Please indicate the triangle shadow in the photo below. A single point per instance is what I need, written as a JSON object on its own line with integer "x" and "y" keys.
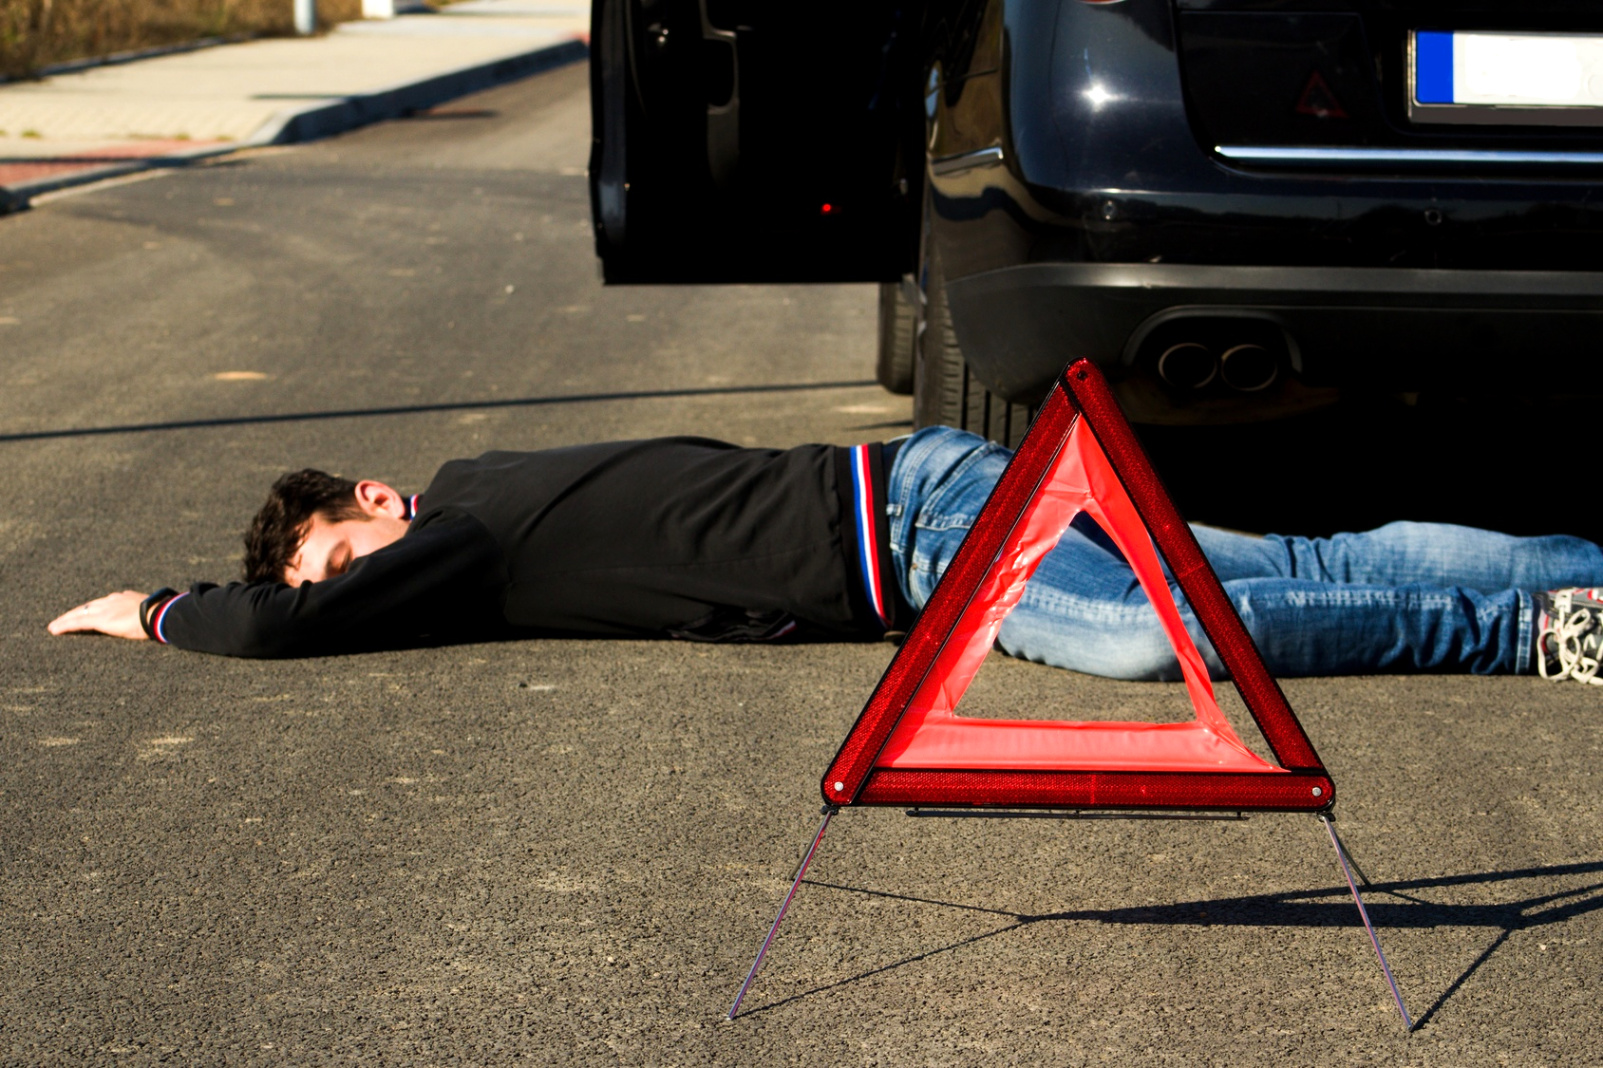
{"x": 1394, "y": 904}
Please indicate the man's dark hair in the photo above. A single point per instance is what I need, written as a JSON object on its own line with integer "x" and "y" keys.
{"x": 275, "y": 535}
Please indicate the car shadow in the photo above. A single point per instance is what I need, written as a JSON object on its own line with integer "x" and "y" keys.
{"x": 1395, "y": 905}
{"x": 1368, "y": 462}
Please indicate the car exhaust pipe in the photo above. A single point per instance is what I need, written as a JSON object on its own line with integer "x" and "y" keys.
{"x": 1248, "y": 368}
{"x": 1188, "y": 365}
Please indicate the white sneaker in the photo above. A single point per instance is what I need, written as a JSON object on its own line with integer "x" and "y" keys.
{"x": 1569, "y": 634}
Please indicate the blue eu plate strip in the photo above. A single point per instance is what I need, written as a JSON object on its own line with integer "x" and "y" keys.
{"x": 1433, "y": 67}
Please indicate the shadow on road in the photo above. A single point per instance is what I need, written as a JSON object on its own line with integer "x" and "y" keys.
{"x": 1350, "y": 468}
{"x": 1391, "y": 905}
{"x": 416, "y": 409}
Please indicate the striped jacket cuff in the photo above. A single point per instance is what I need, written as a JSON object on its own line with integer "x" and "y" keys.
{"x": 153, "y": 612}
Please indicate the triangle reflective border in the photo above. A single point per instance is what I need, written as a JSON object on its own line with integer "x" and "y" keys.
{"x": 909, "y": 747}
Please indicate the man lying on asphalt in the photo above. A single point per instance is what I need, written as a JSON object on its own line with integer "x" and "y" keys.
{"x": 695, "y": 539}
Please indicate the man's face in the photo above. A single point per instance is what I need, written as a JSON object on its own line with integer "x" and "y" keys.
{"x": 330, "y": 546}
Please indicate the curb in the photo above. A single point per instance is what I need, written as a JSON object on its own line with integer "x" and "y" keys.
{"x": 323, "y": 119}
{"x": 19, "y": 197}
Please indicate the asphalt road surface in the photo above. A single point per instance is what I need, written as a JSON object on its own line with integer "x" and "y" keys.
{"x": 564, "y": 852}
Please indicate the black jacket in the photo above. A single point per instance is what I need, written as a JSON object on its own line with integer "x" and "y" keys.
{"x": 683, "y": 537}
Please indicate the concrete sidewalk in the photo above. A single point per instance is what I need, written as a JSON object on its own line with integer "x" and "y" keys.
{"x": 111, "y": 120}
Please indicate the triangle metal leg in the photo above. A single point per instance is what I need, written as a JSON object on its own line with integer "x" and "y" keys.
{"x": 1347, "y": 871}
{"x": 1363, "y": 880}
{"x": 801, "y": 872}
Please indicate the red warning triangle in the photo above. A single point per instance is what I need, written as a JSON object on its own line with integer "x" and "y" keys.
{"x": 909, "y": 746}
{"x": 1319, "y": 100}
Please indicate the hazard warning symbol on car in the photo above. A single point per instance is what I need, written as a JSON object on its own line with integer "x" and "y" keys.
{"x": 910, "y": 748}
{"x": 1318, "y": 100}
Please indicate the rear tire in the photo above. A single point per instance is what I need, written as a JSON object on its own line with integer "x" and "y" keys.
{"x": 898, "y": 337}
{"x": 945, "y": 391}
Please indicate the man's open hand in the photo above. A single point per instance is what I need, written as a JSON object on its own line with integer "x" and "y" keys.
{"x": 116, "y": 614}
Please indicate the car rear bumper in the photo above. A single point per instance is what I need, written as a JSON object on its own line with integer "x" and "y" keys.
{"x": 1344, "y": 328}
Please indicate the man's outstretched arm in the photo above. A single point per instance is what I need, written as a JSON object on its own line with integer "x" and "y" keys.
{"x": 445, "y": 577}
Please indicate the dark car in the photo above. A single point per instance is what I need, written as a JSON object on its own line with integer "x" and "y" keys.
{"x": 1240, "y": 209}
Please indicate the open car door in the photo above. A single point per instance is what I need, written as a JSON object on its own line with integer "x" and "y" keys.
{"x": 747, "y": 140}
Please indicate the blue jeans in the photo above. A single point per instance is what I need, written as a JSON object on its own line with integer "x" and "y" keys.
{"x": 1406, "y": 597}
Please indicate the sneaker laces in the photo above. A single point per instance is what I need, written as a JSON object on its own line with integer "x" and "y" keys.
{"x": 1570, "y": 641}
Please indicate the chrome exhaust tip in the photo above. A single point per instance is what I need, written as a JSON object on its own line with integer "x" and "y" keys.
{"x": 1187, "y": 365}
{"x": 1248, "y": 368}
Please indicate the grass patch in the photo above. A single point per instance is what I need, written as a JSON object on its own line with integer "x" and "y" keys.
{"x": 37, "y": 33}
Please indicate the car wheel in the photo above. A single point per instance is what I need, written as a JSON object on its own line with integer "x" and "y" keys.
{"x": 898, "y": 337}
{"x": 945, "y": 391}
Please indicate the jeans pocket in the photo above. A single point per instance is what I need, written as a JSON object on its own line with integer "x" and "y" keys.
{"x": 955, "y": 501}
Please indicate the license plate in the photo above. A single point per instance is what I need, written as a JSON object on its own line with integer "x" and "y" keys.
{"x": 1469, "y": 76}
